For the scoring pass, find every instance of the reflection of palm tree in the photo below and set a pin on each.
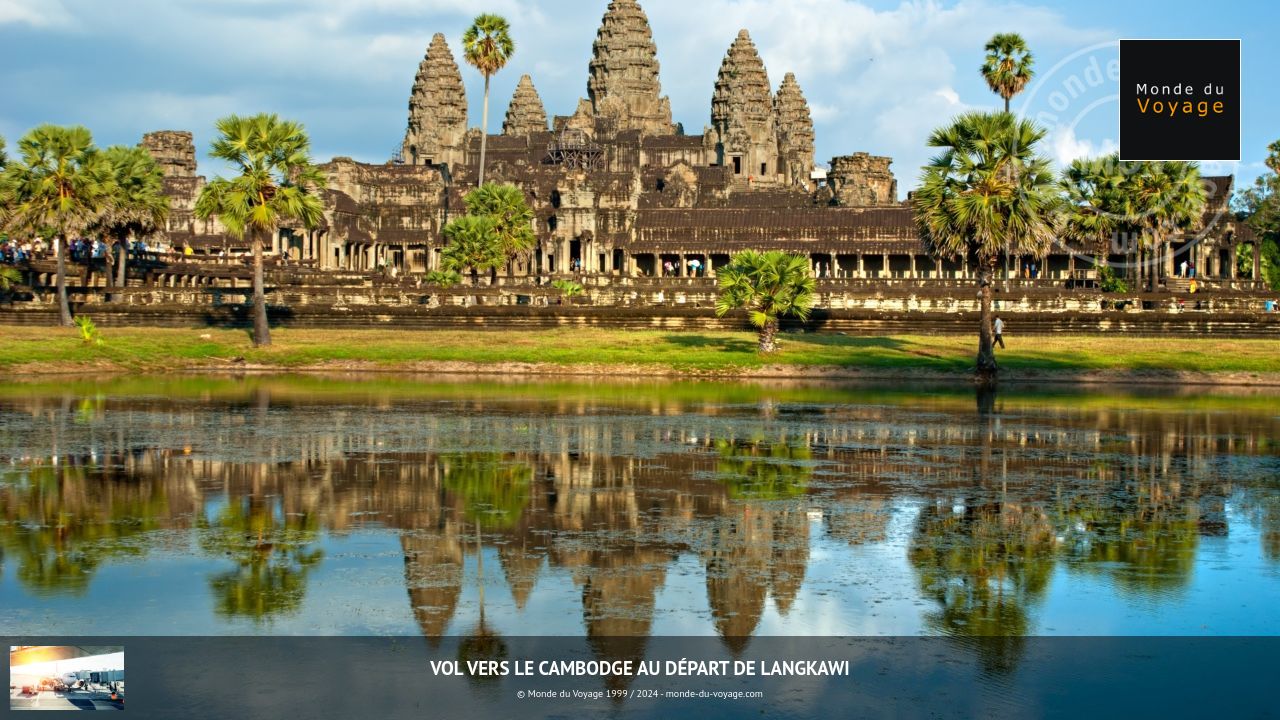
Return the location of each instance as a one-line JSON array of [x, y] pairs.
[[494, 492], [63, 521], [760, 470], [985, 566], [272, 554], [1143, 535], [482, 644]]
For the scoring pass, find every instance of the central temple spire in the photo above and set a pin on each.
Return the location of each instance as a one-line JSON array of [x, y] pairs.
[[743, 121], [623, 83]]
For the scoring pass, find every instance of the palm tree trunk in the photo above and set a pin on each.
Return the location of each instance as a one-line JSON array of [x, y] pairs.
[[986, 369], [261, 328], [1006, 104], [769, 336], [484, 130], [122, 277], [64, 308]]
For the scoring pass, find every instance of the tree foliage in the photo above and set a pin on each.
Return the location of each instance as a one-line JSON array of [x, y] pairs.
[[988, 192], [60, 185], [277, 183], [1259, 206], [769, 286], [487, 46], [985, 195], [473, 245], [138, 204], [513, 220], [1008, 67]]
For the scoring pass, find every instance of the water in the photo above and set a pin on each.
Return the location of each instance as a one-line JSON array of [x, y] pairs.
[[322, 506]]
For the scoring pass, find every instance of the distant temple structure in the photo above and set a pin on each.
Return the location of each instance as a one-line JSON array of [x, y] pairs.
[[617, 188]]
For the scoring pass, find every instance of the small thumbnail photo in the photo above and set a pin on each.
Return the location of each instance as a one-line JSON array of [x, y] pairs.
[[66, 677]]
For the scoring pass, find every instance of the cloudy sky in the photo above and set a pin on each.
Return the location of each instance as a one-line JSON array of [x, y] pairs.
[[879, 75]]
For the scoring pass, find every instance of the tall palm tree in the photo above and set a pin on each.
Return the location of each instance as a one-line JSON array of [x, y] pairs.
[[60, 184], [770, 286], [473, 244], [513, 220], [1169, 196], [1008, 66], [487, 46], [277, 183], [987, 193], [138, 204]]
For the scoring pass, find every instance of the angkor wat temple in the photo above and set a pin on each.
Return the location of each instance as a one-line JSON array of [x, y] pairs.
[[618, 189], [627, 204]]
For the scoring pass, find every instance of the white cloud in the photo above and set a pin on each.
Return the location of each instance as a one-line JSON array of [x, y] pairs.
[[37, 13], [1067, 147]]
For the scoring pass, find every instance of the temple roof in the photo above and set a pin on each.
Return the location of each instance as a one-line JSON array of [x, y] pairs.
[[743, 100], [795, 124], [439, 99], [526, 113], [623, 82]]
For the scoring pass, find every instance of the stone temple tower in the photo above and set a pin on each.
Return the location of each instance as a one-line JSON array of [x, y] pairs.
[[623, 84], [437, 110], [525, 114], [744, 133], [795, 133]]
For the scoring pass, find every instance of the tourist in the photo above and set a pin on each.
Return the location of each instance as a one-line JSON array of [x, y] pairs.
[[999, 328], [1182, 269]]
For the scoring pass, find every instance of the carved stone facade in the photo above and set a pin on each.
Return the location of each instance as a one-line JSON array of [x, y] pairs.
[[862, 180], [795, 133], [174, 151], [623, 85], [526, 113], [437, 129], [744, 124], [615, 188]]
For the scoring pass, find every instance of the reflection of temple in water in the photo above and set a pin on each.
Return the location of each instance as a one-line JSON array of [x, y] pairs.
[[612, 494]]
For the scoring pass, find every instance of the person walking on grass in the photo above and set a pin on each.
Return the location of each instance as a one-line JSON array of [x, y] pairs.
[[998, 326]]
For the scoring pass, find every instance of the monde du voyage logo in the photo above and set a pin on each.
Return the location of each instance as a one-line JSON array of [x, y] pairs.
[[1180, 100]]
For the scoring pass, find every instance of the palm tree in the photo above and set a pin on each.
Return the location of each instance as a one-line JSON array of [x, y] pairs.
[[1168, 196], [513, 220], [138, 205], [473, 244], [4, 159], [1008, 67], [487, 46], [60, 185], [1096, 208], [769, 285], [986, 194], [277, 183]]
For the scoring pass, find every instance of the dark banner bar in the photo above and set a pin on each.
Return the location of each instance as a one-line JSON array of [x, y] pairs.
[[775, 677]]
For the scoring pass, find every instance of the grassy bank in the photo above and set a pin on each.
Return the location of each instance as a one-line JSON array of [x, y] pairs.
[[37, 350]]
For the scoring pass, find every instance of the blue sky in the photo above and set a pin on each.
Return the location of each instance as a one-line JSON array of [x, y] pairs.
[[878, 75]]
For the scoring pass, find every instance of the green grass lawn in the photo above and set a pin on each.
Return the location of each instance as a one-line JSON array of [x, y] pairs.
[[156, 349]]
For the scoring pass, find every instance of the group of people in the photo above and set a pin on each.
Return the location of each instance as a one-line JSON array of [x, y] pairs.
[[13, 252], [1187, 269], [694, 265]]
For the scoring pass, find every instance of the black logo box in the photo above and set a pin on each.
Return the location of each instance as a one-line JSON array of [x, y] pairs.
[[1185, 65]]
